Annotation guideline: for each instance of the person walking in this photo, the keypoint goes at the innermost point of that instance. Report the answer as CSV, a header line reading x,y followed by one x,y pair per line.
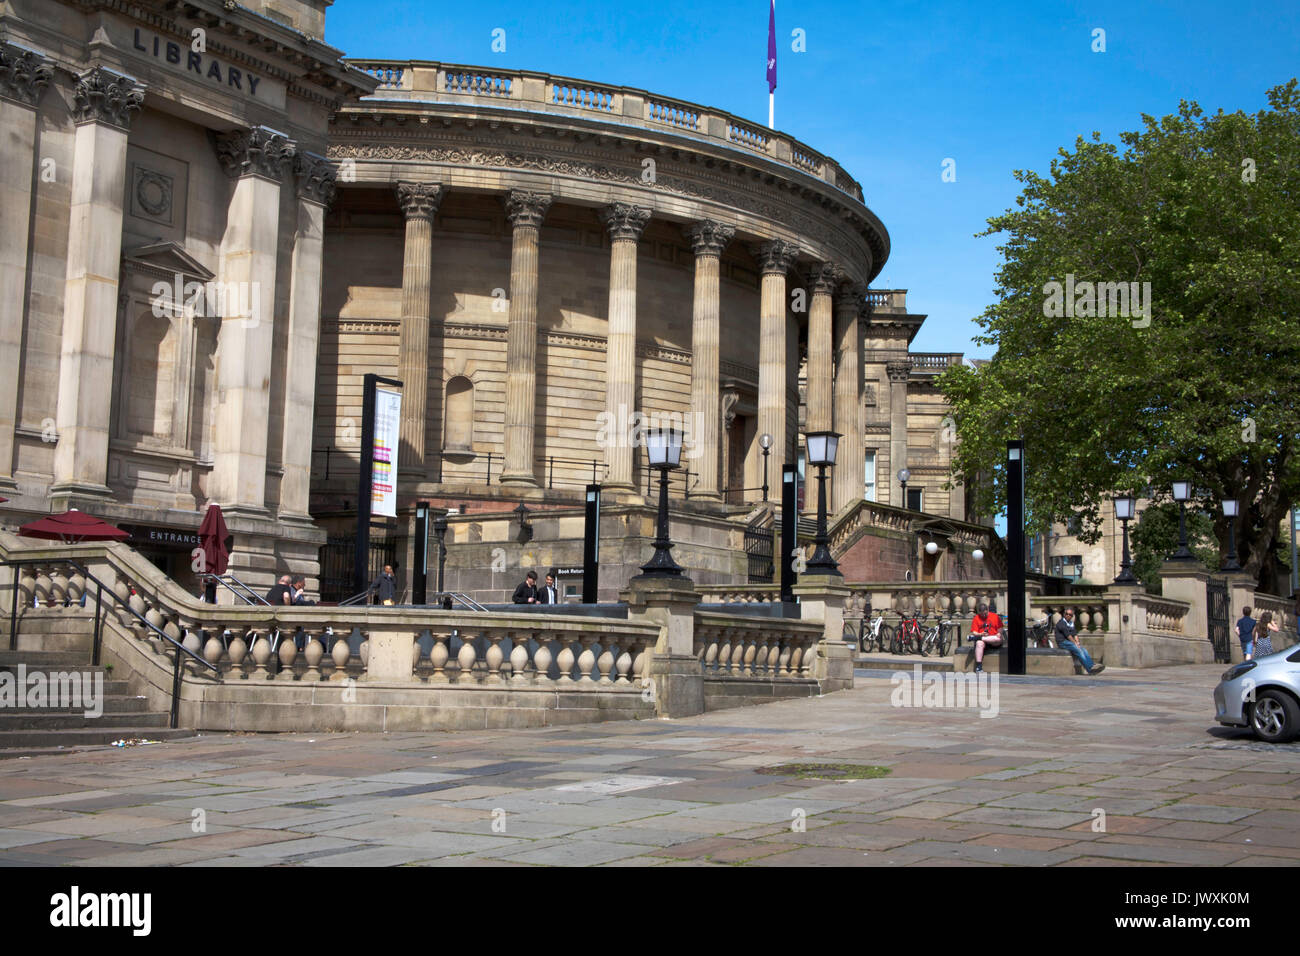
x,y
1246,634
1066,636
1264,632
526,593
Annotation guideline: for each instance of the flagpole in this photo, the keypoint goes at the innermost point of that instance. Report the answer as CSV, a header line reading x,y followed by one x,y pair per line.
x,y
771,111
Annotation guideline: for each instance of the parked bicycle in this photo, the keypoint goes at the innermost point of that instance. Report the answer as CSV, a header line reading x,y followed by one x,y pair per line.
x,y
1039,634
938,638
870,633
907,638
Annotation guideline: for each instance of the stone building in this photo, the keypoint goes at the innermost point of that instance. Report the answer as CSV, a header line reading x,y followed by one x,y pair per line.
x,y
229,225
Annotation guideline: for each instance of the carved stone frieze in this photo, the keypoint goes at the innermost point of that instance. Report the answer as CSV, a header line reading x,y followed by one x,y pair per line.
x,y
625,220
524,208
257,151
24,74
105,96
419,200
708,237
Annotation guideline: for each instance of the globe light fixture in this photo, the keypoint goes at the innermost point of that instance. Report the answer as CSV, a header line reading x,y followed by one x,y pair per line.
x,y
931,548
978,554
765,443
820,447
903,475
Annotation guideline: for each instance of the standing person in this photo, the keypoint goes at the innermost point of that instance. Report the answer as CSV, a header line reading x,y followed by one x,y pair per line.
x,y
280,593
1246,633
1264,632
1065,637
985,630
384,587
526,593
550,594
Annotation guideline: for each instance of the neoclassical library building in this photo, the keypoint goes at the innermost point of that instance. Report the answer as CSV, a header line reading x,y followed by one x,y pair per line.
x,y
216,225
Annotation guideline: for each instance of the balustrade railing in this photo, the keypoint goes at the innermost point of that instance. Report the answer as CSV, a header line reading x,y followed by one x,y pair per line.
x,y
755,648
1090,614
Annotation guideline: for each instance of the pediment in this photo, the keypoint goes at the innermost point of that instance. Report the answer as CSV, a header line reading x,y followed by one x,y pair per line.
x,y
166,258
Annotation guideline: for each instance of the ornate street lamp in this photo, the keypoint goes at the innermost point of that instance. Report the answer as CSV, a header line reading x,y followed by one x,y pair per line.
x,y
903,475
1124,508
765,443
1231,508
664,448
821,448
1182,492
525,529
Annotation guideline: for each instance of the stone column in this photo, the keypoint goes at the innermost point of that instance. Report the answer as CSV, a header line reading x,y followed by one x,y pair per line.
x,y
316,177
708,239
103,105
23,78
848,481
419,203
821,348
625,223
257,158
525,211
774,258
898,372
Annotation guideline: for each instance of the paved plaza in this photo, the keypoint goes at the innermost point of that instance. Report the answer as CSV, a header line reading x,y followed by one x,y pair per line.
x,y
1127,769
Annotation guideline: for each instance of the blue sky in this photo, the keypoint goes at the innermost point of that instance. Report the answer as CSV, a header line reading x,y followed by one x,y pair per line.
x,y
889,89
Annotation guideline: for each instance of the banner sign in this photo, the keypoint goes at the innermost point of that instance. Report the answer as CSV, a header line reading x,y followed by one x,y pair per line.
x,y
387,425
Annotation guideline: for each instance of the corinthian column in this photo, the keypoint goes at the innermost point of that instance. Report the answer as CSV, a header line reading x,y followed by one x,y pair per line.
x,y
257,159
24,75
419,202
525,211
898,372
708,238
821,284
775,258
847,485
625,223
316,177
104,103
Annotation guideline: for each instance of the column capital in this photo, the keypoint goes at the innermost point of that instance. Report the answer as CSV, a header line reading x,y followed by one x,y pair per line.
x,y
822,278
898,370
848,297
419,200
24,73
316,178
776,256
106,96
624,220
256,151
527,209
708,237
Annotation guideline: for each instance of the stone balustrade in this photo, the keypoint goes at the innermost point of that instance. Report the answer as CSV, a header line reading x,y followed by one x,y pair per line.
x,y
433,82
1090,613
763,648
1160,616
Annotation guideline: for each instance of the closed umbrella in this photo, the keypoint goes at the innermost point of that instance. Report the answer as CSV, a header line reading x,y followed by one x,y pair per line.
x,y
71,527
212,540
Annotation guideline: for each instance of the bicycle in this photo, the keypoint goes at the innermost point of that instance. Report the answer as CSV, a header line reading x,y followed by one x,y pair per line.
x,y
938,638
1039,634
877,632
907,638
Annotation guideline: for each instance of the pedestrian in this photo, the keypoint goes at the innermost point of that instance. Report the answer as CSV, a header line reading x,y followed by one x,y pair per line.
x,y
986,631
1264,632
300,592
384,587
1246,633
280,593
526,593
550,594
1066,637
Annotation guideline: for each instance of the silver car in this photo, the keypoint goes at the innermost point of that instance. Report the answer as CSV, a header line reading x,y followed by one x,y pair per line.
x,y
1264,695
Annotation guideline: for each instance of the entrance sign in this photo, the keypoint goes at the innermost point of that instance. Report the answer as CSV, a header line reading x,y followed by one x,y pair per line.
x,y
383,476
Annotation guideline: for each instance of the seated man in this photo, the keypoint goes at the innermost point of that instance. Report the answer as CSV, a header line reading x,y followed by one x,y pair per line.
x,y
985,630
1065,637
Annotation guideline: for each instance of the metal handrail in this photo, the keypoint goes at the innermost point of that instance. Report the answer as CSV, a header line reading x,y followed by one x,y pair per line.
x,y
99,608
461,598
243,591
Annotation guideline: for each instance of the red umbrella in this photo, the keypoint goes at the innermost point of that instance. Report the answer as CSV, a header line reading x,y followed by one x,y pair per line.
x,y
71,527
212,539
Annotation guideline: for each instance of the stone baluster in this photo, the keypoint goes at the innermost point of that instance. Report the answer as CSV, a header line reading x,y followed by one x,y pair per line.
x,y
438,656
709,647
751,654
586,659
605,662
495,657
564,660
637,649
313,653
723,668
340,652
542,657
783,658
466,658
288,653
796,656
624,662
261,653
519,657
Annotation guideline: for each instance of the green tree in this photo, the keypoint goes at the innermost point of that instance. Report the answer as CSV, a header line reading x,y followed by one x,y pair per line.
x,y
1201,386
1155,537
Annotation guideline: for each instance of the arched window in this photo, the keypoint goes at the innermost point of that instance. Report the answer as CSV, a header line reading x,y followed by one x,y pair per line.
x,y
458,417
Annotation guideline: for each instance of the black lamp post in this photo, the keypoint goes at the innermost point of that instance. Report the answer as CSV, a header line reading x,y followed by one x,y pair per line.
x,y
1124,508
765,443
903,475
1231,508
440,530
1182,492
821,449
664,448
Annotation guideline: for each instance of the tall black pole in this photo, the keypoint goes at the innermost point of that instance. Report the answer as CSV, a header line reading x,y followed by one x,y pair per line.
x,y
789,526
440,529
822,562
1125,575
1015,639
591,546
419,586
765,454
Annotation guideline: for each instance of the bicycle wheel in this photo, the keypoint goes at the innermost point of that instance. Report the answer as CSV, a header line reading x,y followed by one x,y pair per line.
x,y
945,641
896,642
885,640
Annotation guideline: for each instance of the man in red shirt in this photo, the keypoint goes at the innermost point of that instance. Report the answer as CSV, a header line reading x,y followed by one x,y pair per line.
x,y
986,630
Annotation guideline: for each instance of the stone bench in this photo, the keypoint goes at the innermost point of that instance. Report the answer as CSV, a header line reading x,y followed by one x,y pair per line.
x,y
1042,661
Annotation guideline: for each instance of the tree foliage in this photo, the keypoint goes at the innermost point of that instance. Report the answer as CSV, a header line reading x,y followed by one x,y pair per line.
x,y
1155,537
1206,387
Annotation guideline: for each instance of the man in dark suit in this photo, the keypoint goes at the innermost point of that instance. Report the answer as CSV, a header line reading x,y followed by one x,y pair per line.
x,y
526,593
550,594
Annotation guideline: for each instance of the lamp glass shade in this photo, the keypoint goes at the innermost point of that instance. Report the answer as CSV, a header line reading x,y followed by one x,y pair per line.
x,y
931,548
1230,507
978,554
822,447
1182,490
765,441
673,444
904,474
664,448
1124,508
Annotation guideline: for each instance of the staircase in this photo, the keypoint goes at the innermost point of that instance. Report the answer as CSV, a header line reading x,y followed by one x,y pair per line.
x,y
32,731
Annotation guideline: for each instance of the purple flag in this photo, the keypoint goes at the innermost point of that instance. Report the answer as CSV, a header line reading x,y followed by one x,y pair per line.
x,y
771,49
